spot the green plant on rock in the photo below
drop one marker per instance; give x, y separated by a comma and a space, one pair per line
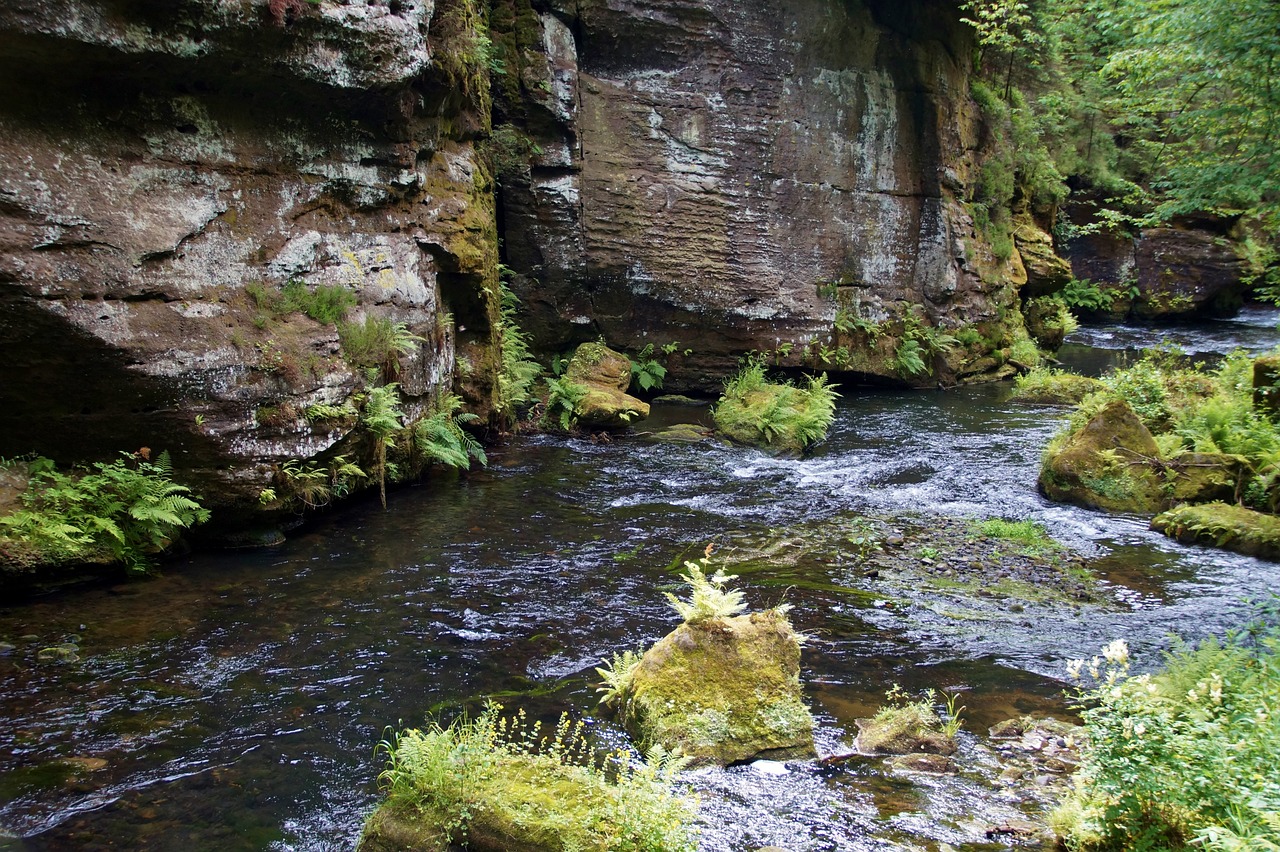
503, 776
320, 412
708, 596
519, 370
616, 674
377, 343
382, 418
563, 398
442, 439
647, 372
753, 410
1083, 293
326, 303
1183, 758
123, 511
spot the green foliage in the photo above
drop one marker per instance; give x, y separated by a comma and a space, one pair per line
487, 770
122, 511
519, 370
752, 409
1031, 537
617, 675
377, 343
647, 373
382, 418
1184, 758
315, 483
326, 304
708, 597
563, 398
442, 439
908, 360
320, 412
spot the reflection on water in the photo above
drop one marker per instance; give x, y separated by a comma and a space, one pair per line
234, 702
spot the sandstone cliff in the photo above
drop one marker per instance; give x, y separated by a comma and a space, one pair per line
730, 174
156, 158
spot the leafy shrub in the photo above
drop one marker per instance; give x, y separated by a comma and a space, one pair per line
496, 770
1182, 758
1083, 293
442, 439
647, 373
123, 511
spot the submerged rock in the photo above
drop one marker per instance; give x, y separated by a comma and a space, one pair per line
1223, 525
722, 690
909, 729
606, 375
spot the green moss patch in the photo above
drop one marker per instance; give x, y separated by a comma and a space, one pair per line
1223, 525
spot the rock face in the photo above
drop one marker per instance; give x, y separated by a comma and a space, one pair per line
157, 158
1188, 269
722, 691
714, 172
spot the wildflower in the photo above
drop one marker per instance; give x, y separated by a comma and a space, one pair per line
1215, 689
1095, 668
1117, 652
1073, 668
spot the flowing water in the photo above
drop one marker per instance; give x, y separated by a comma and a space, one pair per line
235, 702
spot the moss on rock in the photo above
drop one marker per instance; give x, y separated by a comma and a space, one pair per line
1053, 387
780, 417
1106, 464
722, 690
606, 375
1223, 525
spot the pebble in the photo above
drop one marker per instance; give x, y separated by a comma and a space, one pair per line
6, 648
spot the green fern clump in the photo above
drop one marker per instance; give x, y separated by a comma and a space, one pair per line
442, 439
123, 511
383, 419
755, 411
708, 597
563, 398
617, 674
519, 370
377, 343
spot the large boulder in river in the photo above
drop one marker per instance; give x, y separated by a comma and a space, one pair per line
606, 375
722, 690
1106, 464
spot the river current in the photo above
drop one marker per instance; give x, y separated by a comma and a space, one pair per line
235, 702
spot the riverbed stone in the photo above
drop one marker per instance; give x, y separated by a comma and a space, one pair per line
606, 375
722, 691
934, 764
1106, 465
1224, 525
908, 729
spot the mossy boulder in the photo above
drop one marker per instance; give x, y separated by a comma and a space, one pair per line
1044, 387
1266, 384
1205, 477
908, 729
606, 375
783, 418
1047, 272
722, 690
524, 801
1106, 465
1223, 525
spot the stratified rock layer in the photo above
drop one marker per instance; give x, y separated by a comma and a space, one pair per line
157, 158
729, 176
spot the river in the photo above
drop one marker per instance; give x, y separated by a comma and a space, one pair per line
235, 702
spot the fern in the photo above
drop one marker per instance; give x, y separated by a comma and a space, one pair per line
563, 398
617, 673
382, 418
708, 598
120, 511
441, 437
